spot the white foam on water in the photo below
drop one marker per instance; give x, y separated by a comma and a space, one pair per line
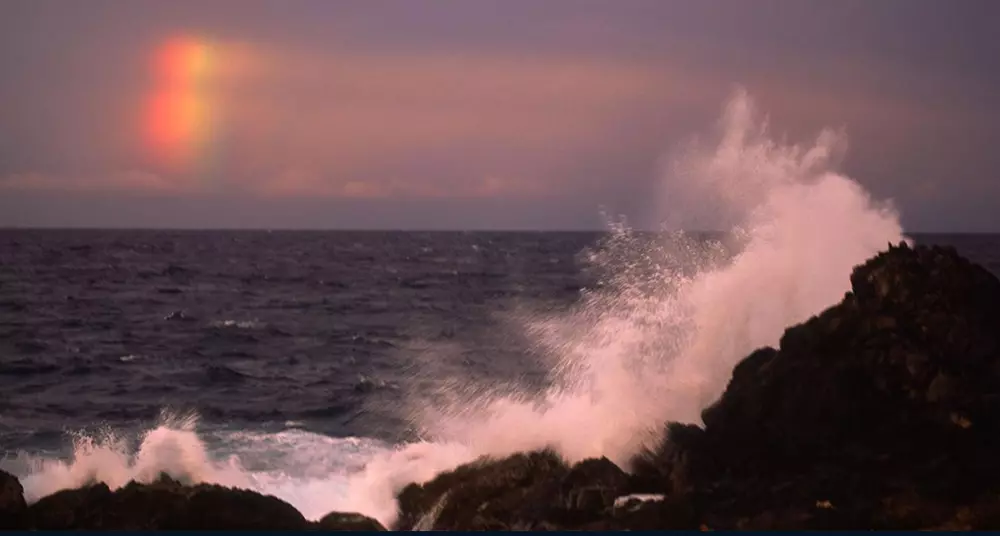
173, 447
624, 500
315, 473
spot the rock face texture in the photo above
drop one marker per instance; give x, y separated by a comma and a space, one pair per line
882, 412
535, 491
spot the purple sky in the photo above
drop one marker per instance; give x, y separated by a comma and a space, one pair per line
468, 114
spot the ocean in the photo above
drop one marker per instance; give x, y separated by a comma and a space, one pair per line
284, 361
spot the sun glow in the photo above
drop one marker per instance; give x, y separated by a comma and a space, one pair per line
179, 117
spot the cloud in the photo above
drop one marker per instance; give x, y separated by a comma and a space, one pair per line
442, 122
359, 123
123, 181
375, 117
297, 182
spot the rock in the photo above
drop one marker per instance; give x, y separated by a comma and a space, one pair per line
534, 491
12, 505
592, 485
651, 512
69, 509
631, 503
336, 521
164, 505
514, 493
880, 412
668, 468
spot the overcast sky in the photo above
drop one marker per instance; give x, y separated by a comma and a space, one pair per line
470, 114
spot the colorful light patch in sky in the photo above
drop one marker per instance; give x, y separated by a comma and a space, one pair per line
179, 118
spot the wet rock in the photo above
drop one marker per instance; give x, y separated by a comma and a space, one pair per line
669, 467
336, 521
164, 505
880, 412
651, 512
69, 509
12, 505
533, 491
514, 493
592, 485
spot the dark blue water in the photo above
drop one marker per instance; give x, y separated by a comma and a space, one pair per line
251, 328
257, 328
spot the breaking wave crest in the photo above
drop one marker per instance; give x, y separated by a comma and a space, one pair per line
676, 311
655, 341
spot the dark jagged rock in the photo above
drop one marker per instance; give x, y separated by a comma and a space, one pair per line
164, 505
336, 521
69, 509
485, 495
881, 412
592, 486
534, 491
12, 505
669, 467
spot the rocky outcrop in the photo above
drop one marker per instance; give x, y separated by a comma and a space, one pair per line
12, 505
538, 491
349, 522
882, 412
162, 505
535, 491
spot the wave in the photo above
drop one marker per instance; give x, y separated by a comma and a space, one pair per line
674, 313
656, 340
310, 471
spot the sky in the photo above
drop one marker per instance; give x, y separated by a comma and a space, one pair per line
473, 114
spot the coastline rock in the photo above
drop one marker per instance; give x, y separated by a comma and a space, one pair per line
534, 491
12, 505
485, 495
163, 505
882, 412
335, 521
537, 491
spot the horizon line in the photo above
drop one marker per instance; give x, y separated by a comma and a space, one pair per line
4, 228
